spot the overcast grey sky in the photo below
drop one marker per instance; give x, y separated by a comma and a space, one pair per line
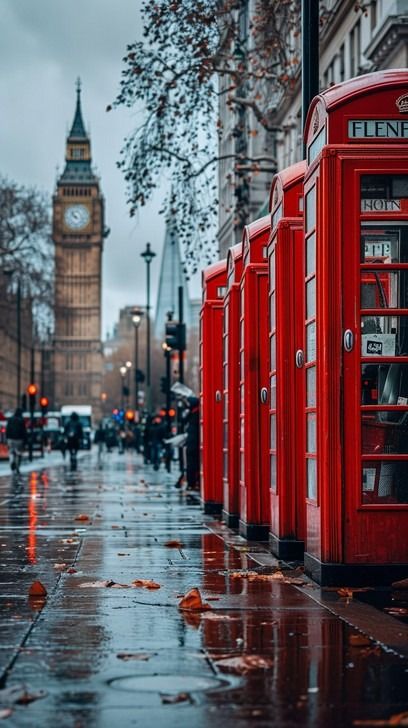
45, 45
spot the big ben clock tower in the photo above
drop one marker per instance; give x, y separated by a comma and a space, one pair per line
78, 232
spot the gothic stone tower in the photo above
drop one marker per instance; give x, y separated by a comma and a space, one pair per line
78, 232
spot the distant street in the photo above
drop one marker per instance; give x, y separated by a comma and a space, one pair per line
107, 647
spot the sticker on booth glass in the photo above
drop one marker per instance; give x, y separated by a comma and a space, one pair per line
402, 401
378, 345
368, 479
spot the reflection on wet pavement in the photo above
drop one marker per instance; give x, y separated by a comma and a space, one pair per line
107, 651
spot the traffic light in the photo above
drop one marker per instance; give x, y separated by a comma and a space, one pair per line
44, 405
32, 390
175, 335
130, 415
163, 384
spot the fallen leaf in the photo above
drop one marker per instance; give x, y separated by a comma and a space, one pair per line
174, 544
71, 570
146, 584
397, 719
37, 590
359, 640
107, 583
37, 603
219, 617
245, 663
81, 517
5, 713
397, 611
345, 592
243, 574
172, 699
402, 584
192, 601
19, 694
142, 656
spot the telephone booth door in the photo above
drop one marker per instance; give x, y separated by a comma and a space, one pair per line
288, 505
254, 389
286, 273
375, 354
211, 369
231, 388
356, 331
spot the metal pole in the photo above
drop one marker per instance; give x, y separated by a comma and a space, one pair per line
310, 55
32, 401
136, 366
18, 404
148, 392
181, 352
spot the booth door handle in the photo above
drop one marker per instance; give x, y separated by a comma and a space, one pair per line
300, 358
348, 340
264, 395
218, 396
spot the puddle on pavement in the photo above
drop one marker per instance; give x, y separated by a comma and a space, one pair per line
171, 684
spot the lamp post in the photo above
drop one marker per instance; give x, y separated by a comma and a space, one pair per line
10, 273
148, 256
137, 314
123, 371
128, 368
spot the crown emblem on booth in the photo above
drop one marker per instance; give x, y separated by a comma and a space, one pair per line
402, 103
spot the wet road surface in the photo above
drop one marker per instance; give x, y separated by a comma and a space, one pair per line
100, 651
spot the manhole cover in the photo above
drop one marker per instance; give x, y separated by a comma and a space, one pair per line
167, 683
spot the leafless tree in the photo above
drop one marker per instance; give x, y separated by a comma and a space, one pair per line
26, 251
195, 55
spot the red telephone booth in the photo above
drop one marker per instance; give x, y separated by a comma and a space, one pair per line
286, 277
231, 387
356, 331
254, 374
211, 368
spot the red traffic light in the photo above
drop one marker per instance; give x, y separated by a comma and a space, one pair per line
172, 412
44, 402
32, 390
130, 415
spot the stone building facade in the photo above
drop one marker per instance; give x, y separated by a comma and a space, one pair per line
355, 38
78, 234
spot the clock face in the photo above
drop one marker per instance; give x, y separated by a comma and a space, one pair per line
76, 217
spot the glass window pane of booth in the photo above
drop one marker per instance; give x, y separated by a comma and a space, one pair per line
384, 481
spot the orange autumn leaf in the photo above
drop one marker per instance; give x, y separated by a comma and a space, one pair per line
244, 664
359, 640
37, 590
345, 592
146, 584
397, 719
193, 601
174, 544
81, 517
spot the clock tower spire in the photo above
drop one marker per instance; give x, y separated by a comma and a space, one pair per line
78, 232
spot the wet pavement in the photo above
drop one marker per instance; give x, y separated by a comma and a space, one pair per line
272, 649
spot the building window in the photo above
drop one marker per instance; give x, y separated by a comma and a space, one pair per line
373, 15
341, 64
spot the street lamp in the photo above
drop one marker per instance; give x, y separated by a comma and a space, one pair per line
137, 314
123, 371
10, 273
148, 256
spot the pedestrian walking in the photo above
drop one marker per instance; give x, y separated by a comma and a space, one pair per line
192, 418
16, 435
158, 432
73, 433
100, 441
